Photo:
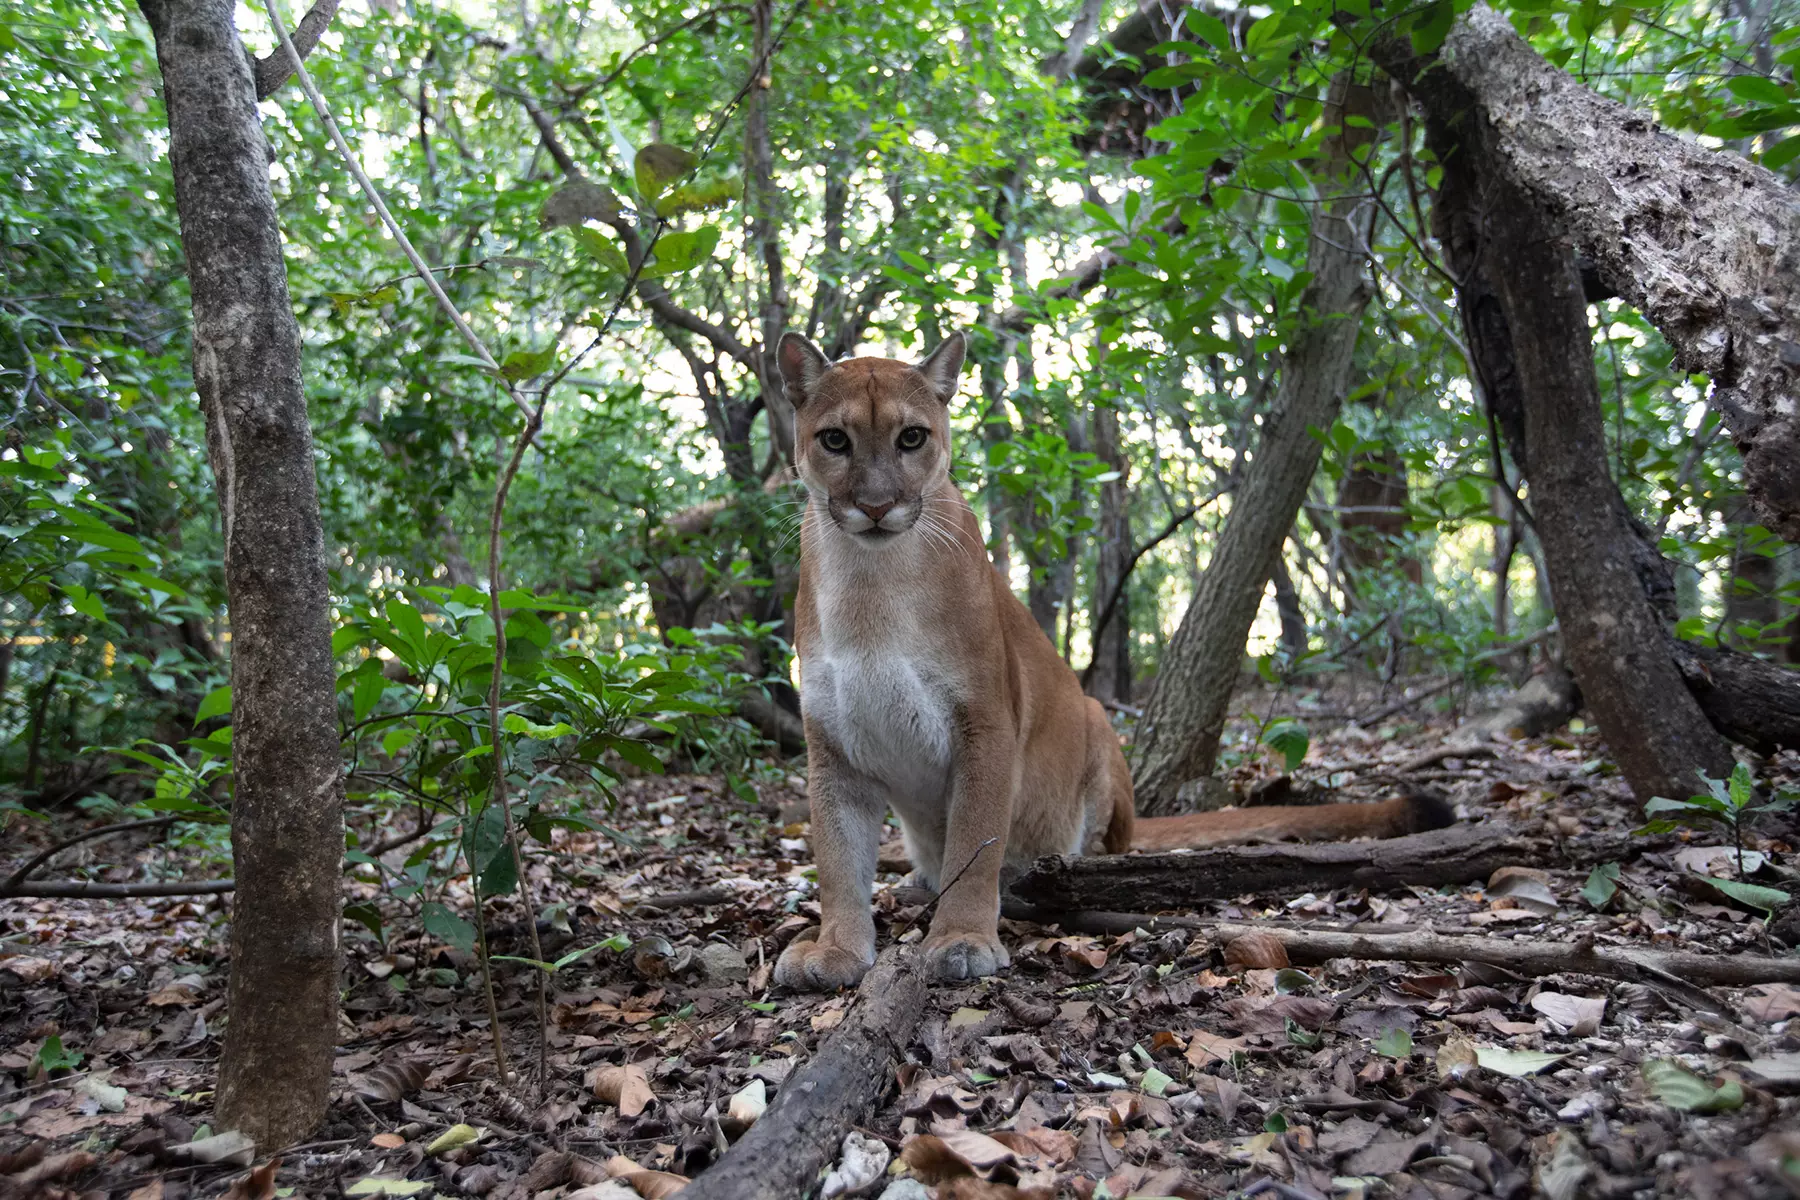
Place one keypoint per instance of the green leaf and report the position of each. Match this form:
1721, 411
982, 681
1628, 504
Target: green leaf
216, 704
523, 364
1275, 1123
1289, 738
1516, 1063
52, 1057
1741, 789
514, 723
698, 197
1602, 885
1431, 26
364, 913
658, 165
1764, 899
85, 602
602, 249
683, 250
1681, 1089
1300, 1035
447, 927
1395, 1043
1758, 89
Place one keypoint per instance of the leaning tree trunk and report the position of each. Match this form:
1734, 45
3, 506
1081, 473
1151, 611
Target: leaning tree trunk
1703, 243
287, 831
1611, 632
1525, 315
1178, 736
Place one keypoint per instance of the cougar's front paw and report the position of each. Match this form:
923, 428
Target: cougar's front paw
957, 956
813, 966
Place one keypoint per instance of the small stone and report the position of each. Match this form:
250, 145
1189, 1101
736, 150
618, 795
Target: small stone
1581, 1107
720, 963
905, 1189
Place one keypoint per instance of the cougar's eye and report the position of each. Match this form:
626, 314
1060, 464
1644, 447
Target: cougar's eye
835, 440
912, 437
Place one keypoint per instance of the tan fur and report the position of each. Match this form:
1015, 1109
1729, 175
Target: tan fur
927, 688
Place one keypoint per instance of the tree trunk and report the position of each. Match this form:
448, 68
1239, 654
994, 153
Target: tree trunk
286, 819
1703, 243
1110, 678
1525, 316
1178, 737
1293, 617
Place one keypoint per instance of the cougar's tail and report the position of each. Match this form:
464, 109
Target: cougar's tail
1414, 812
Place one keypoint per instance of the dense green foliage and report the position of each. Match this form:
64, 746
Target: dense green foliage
925, 174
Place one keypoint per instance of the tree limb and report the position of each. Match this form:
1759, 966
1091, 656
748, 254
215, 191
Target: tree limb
19, 876
80, 889
1118, 591
799, 1135
274, 69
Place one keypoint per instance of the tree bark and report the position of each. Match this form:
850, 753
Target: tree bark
1134, 882
286, 820
798, 1137
1110, 676
1178, 736
1612, 632
1525, 316
1703, 243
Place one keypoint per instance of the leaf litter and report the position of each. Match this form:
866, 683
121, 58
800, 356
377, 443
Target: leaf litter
1154, 1062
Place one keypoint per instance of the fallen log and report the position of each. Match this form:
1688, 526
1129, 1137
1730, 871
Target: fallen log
1583, 957
1183, 878
784, 1153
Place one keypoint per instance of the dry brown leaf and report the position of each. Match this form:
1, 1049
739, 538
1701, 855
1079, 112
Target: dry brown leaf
1205, 1047
969, 1188
932, 1160
1774, 1002
1257, 951
627, 1087
182, 992
1054, 1146
1455, 1058
387, 1141
392, 1081
1579, 1016
259, 1184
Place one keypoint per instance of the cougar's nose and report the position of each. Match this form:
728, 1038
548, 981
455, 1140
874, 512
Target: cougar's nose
875, 511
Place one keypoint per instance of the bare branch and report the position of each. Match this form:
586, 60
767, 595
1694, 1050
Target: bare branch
608, 79
81, 889
387, 218
273, 70
23, 873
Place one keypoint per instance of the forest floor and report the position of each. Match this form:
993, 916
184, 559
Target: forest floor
1137, 1064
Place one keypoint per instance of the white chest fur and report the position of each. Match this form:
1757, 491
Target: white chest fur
878, 688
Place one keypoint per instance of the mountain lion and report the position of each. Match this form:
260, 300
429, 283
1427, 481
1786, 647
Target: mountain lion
926, 686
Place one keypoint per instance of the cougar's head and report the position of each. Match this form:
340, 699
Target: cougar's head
871, 435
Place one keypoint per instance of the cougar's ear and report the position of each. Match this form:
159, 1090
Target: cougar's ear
941, 367
801, 365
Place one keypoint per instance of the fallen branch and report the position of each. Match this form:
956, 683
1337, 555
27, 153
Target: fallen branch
81, 889
798, 1137
1528, 958
1182, 879
87, 835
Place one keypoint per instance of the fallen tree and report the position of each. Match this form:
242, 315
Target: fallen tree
1185, 878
